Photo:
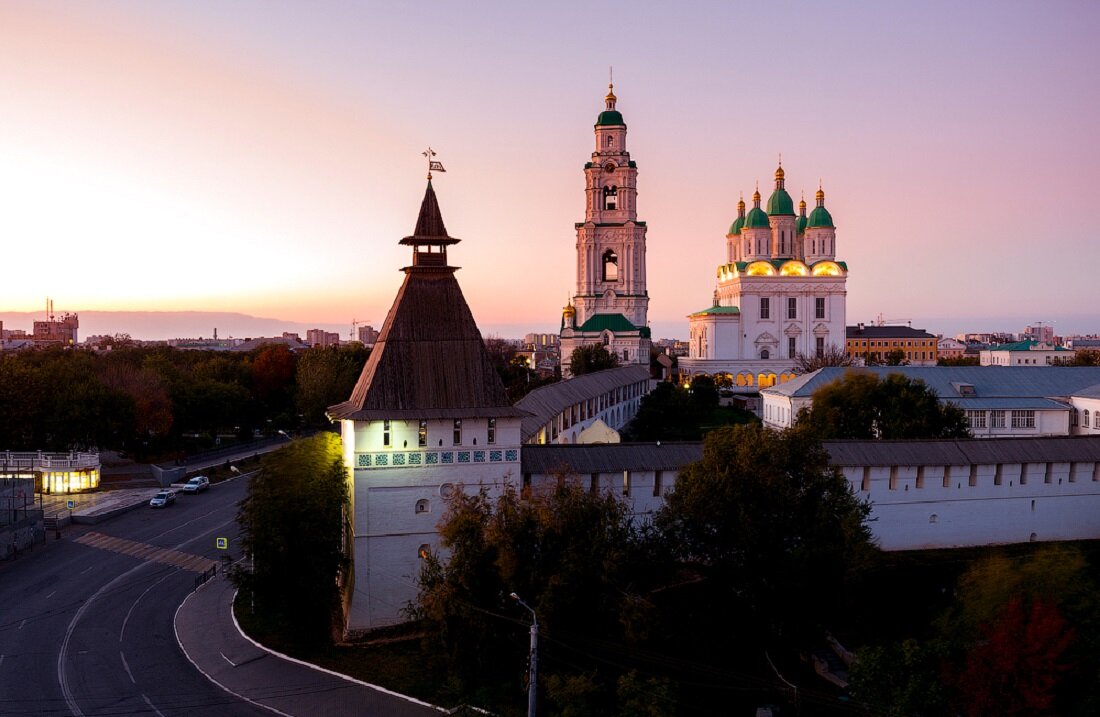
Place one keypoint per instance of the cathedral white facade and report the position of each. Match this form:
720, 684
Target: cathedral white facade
780, 293
611, 304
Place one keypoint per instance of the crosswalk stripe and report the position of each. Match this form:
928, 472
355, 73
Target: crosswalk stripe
146, 552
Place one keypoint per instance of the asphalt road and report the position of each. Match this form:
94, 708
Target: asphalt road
86, 622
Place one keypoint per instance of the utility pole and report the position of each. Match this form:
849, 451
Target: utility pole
532, 685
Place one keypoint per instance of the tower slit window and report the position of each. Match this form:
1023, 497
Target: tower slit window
610, 197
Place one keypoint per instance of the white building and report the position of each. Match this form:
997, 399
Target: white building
999, 402
429, 413
1025, 353
1085, 416
781, 292
611, 303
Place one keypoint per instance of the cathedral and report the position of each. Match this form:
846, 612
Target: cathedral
780, 293
611, 303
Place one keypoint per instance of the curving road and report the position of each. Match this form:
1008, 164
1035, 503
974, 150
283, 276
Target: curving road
86, 624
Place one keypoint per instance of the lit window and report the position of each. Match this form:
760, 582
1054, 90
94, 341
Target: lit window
422, 434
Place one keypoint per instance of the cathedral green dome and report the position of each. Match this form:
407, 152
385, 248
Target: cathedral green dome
820, 218
780, 203
735, 228
756, 219
800, 226
610, 117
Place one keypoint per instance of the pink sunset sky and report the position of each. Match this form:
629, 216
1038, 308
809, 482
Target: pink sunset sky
264, 157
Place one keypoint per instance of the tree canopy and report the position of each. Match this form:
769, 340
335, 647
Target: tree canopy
831, 355
861, 405
591, 358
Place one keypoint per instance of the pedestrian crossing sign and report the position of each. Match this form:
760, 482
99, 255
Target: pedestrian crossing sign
223, 543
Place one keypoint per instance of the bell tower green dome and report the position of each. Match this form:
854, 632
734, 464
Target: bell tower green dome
739, 222
610, 116
756, 218
820, 217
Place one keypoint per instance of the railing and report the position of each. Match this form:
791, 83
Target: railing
54, 461
206, 576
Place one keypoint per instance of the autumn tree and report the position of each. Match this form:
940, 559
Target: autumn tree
831, 355
326, 376
862, 405
591, 358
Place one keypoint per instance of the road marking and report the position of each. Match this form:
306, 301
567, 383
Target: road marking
51, 595
126, 665
22, 623
86, 569
1, 659
151, 705
227, 659
147, 552
131, 610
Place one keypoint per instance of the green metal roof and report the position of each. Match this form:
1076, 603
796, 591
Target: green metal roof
780, 203
718, 310
1024, 346
735, 228
756, 219
820, 218
610, 117
616, 323
800, 226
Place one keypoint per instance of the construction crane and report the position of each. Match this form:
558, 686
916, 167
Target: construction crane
355, 325
883, 322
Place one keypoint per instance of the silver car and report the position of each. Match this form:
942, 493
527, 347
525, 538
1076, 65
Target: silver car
163, 499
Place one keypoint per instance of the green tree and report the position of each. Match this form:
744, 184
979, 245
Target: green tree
590, 358
704, 394
861, 405
900, 680
768, 522
895, 357
294, 522
326, 376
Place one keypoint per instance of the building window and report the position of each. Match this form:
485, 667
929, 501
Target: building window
920, 477
422, 434
610, 266
893, 477
996, 419
626, 482
819, 307
422, 506
765, 308
657, 483
626, 355
973, 475
458, 432
865, 484
764, 354
610, 196
791, 347
424, 551
1074, 416
1085, 422
820, 345
998, 476
386, 433
492, 430
792, 308
976, 419
594, 483
1023, 419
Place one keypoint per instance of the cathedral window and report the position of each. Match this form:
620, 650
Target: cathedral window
764, 354
626, 355
610, 265
765, 308
819, 307
610, 197
791, 350
820, 347
792, 308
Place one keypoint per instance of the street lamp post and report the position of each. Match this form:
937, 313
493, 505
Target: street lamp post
534, 661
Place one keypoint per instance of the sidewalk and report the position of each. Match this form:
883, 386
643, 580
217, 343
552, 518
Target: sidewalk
209, 637
91, 508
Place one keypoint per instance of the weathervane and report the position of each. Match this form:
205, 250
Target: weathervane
433, 166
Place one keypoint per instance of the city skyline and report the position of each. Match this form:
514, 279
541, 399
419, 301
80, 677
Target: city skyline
265, 159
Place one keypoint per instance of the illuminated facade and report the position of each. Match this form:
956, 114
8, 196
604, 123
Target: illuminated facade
868, 345
53, 472
611, 303
780, 293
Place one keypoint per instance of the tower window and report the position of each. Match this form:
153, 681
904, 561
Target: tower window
386, 433
610, 141
422, 434
610, 265
492, 430
458, 432
610, 197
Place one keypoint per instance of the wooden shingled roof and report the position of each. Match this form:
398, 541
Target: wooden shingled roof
429, 360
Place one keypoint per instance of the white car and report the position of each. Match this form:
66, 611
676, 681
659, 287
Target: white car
196, 484
163, 499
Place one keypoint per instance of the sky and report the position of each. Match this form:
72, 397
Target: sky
264, 157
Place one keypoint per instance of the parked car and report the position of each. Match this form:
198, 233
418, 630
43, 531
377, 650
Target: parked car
163, 499
196, 484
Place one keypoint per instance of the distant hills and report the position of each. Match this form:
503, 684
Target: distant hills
158, 325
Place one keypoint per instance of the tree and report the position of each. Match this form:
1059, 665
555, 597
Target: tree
861, 405
768, 522
832, 355
895, 357
590, 358
294, 525
900, 680
326, 376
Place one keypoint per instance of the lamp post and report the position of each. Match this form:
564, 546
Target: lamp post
533, 669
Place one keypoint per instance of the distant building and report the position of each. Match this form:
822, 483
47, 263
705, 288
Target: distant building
60, 331
53, 472
871, 344
1083, 343
319, 338
1040, 333
531, 340
1025, 353
291, 343
368, 336
948, 348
